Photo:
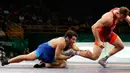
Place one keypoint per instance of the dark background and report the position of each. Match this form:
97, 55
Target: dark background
79, 9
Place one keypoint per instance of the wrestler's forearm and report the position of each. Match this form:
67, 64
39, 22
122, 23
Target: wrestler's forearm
62, 57
76, 49
95, 33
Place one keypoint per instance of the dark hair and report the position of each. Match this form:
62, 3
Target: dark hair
70, 33
124, 10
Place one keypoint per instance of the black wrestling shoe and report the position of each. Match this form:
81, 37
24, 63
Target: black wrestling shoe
40, 65
2, 53
4, 61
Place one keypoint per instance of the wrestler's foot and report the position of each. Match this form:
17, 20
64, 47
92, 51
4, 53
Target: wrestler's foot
103, 62
40, 65
4, 61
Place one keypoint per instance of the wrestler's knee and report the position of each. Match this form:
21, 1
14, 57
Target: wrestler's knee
120, 47
95, 57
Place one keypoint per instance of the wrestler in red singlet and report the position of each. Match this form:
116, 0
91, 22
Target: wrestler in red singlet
106, 33
103, 31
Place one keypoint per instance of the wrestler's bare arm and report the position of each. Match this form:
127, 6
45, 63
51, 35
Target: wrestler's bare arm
105, 20
75, 47
59, 50
128, 20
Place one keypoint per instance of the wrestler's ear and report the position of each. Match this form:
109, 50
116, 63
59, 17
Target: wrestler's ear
67, 38
117, 12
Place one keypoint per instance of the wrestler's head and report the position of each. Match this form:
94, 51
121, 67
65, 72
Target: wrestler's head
71, 37
123, 12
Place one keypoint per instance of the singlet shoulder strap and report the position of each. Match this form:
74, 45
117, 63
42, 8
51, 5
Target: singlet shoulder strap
113, 24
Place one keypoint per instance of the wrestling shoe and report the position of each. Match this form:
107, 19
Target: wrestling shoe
40, 65
2, 53
103, 62
4, 61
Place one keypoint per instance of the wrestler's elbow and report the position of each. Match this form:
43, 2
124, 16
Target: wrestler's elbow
57, 57
93, 27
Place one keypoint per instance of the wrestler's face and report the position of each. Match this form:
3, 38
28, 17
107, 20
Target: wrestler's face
72, 40
121, 17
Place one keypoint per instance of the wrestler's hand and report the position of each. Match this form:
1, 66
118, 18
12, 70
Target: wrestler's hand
101, 44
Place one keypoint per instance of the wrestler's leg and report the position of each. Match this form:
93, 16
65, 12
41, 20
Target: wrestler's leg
96, 50
93, 56
118, 45
30, 56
